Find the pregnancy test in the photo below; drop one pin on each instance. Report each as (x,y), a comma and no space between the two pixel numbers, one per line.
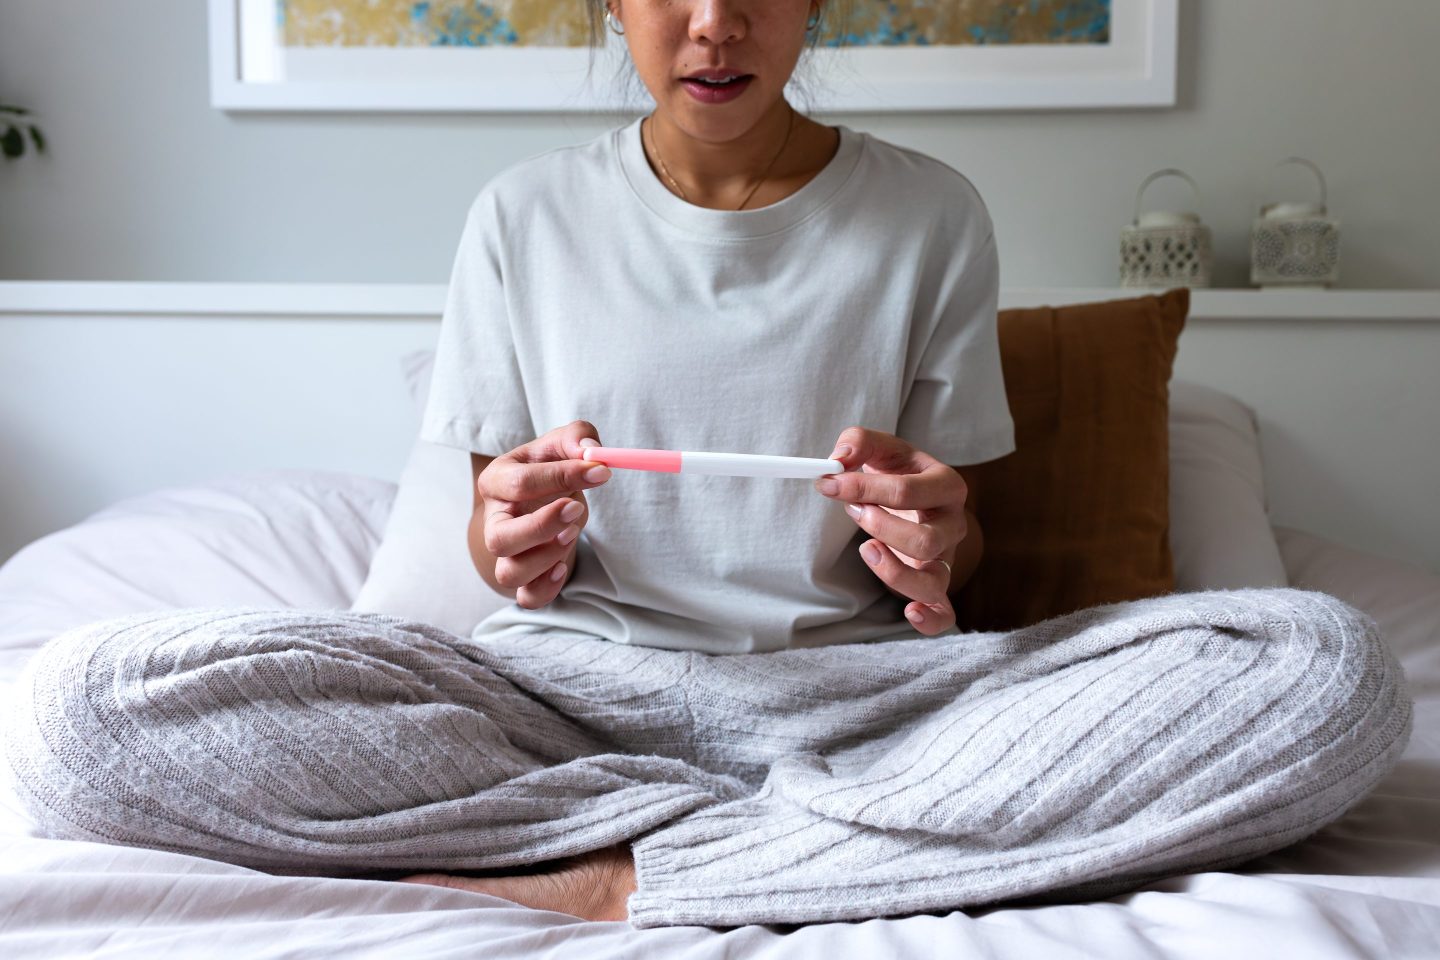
(717,464)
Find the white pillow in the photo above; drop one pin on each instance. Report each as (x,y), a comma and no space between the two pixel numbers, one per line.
(423,569)
(268,538)
(1219,533)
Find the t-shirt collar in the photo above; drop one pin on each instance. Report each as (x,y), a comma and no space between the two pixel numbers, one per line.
(733,223)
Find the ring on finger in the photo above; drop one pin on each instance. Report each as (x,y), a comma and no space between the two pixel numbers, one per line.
(947,567)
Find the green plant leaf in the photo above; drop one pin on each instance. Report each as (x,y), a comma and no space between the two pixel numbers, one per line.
(38,138)
(20,110)
(12,142)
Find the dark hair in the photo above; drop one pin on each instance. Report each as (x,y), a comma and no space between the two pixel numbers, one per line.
(832,32)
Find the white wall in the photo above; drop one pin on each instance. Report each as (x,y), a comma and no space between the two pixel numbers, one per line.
(96,407)
(147,182)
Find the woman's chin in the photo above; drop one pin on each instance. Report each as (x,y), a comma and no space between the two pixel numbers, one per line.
(715,122)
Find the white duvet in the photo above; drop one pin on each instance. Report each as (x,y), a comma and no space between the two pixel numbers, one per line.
(1368,885)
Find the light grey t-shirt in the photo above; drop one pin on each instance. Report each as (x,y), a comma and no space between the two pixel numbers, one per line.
(584,289)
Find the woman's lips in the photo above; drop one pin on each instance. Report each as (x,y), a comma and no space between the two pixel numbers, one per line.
(716,93)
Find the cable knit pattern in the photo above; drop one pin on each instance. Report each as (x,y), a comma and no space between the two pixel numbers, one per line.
(1077,758)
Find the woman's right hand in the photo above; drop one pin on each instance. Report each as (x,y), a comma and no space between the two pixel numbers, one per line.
(535,509)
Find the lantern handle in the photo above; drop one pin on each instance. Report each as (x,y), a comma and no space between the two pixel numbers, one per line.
(1168,171)
(1324,193)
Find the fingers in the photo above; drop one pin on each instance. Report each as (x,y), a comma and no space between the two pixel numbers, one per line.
(931,619)
(546,467)
(891,472)
(510,535)
(544,588)
(925,581)
(914,507)
(518,482)
(937,487)
(933,487)
(921,536)
(879,449)
(537,574)
(562,443)
(533,544)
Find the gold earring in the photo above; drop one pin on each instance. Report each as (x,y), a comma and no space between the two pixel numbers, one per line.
(612,23)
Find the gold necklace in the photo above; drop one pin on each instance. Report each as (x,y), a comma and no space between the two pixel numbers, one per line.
(789,129)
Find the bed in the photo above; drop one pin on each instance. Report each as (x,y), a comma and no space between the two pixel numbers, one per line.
(1366,886)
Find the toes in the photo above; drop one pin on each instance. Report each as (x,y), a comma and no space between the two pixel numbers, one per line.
(594,887)
(433,879)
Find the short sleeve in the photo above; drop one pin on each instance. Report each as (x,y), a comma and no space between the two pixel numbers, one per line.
(477,396)
(956,409)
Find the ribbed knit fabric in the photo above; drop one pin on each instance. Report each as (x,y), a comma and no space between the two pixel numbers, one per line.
(1077,758)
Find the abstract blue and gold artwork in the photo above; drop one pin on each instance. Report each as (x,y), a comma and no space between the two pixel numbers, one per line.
(563,23)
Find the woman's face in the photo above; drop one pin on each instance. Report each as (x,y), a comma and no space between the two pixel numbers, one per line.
(672,41)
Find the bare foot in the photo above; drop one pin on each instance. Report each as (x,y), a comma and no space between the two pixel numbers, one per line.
(592,886)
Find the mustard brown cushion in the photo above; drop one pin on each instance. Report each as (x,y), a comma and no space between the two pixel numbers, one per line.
(1078,514)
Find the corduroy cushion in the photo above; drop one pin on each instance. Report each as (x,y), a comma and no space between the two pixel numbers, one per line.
(1079,514)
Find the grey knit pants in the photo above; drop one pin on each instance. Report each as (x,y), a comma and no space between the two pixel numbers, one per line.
(1077,758)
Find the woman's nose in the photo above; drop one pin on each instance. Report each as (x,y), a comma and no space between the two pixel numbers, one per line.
(718,21)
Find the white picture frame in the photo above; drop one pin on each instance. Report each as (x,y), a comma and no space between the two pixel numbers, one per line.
(251,72)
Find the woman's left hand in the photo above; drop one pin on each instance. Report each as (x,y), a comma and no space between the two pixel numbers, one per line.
(914,506)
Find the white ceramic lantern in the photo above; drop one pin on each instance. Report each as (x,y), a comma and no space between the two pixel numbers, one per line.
(1295,244)
(1161,249)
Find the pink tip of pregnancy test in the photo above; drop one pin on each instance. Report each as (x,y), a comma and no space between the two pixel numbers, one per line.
(663,461)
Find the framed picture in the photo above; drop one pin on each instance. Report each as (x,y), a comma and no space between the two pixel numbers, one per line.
(533,55)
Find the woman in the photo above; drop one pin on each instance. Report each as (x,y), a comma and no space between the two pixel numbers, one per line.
(709,708)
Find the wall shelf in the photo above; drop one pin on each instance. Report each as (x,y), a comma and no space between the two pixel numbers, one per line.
(426,300)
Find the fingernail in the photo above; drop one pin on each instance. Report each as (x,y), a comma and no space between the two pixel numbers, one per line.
(871,553)
(596,474)
(571,511)
(588,442)
(915,616)
(854,509)
(840,452)
(827,487)
(559,571)
(568,534)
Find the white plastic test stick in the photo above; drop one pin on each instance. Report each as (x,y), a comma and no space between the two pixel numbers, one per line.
(716,464)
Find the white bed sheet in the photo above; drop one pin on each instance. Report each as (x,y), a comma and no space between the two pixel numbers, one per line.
(1368,885)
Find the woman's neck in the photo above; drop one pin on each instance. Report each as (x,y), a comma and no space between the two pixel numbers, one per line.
(721,175)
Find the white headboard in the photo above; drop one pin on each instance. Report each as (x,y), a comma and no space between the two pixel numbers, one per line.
(114,389)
